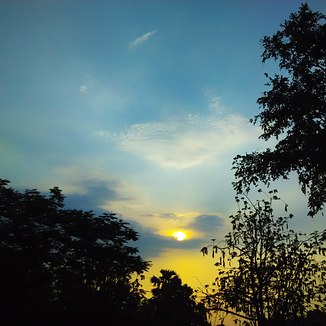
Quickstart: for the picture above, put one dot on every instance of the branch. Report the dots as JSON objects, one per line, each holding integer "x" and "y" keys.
{"x": 232, "y": 313}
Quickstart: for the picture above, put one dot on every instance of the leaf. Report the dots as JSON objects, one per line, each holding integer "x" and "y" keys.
{"x": 204, "y": 251}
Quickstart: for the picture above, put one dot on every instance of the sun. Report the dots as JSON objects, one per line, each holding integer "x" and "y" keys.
{"x": 179, "y": 235}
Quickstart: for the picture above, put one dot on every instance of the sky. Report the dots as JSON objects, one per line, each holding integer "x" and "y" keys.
{"x": 138, "y": 108}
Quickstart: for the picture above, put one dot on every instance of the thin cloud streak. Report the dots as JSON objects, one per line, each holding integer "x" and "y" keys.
{"x": 142, "y": 39}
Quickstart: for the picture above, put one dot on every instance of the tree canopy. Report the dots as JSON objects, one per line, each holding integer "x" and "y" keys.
{"x": 293, "y": 110}
{"x": 268, "y": 273}
{"x": 62, "y": 266}
{"x": 67, "y": 267}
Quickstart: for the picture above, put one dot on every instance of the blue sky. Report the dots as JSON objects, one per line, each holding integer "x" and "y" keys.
{"x": 138, "y": 107}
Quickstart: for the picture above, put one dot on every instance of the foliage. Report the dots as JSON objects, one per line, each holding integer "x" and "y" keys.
{"x": 173, "y": 303}
{"x": 293, "y": 110}
{"x": 267, "y": 273}
{"x": 62, "y": 266}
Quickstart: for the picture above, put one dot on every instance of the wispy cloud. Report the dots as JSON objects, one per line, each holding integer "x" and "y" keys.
{"x": 83, "y": 89}
{"x": 187, "y": 142}
{"x": 142, "y": 39}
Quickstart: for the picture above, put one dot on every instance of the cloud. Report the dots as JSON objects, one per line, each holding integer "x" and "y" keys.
{"x": 187, "y": 142}
{"x": 83, "y": 89}
{"x": 151, "y": 244}
{"x": 207, "y": 224}
{"x": 92, "y": 195}
{"x": 197, "y": 226}
{"x": 142, "y": 39}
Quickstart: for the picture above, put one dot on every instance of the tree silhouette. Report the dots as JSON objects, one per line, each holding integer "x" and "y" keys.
{"x": 267, "y": 273}
{"x": 173, "y": 303}
{"x": 294, "y": 110}
{"x": 62, "y": 266}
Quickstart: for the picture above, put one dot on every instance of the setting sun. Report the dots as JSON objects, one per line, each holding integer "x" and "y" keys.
{"x": 179, "y": 235}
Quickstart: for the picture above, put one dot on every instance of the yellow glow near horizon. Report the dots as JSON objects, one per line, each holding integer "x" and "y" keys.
{"x": 179, "y": 235}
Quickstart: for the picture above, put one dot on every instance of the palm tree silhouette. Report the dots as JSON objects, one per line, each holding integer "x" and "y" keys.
{"x": 173, "y": 303}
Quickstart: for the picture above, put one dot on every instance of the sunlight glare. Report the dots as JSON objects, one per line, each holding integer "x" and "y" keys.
{"x": 179, "y": 235}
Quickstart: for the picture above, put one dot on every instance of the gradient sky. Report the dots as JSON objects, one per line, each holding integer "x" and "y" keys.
{"x": 138, "y": 107}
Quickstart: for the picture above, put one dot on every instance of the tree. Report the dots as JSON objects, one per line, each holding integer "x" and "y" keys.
{"x": 62, "y": 266}
{"x": 267, "y": 273}
{"x": 293, "y": 111}
{"x": 173, "y": 303}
